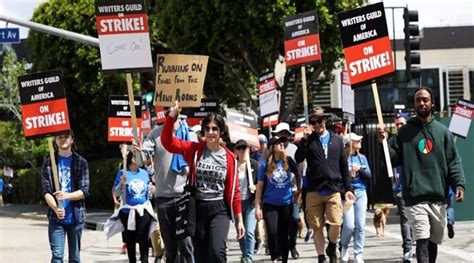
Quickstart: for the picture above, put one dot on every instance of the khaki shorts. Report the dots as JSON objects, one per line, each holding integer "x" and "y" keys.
{"x": 321, "y": 209}
{"x": 428, "y": 221}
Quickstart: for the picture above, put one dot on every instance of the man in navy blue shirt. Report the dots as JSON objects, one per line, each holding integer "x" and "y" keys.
{"x": 66, "y": 211}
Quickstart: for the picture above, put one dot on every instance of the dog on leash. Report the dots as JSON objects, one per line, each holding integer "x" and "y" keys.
{"x": 380, "y": 220}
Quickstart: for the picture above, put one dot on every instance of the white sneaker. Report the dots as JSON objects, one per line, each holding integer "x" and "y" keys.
{"x": 407, "y": 257}
{"x": 358, "y": 259}
{"x": 344, "y": 254}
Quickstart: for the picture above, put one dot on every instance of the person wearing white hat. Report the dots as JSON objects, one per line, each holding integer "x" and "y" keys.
{"x": 282, "y": 130}
{"x": 354, "y": 217}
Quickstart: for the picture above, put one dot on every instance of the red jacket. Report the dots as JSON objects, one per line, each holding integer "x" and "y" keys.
{"x": 190, "y": 150}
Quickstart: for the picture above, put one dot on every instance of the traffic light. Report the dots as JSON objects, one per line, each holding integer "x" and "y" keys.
{"x": 148, "y": 85}
{"x": 412, "y": 42}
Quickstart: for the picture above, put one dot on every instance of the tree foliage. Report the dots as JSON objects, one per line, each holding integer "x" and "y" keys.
{"x": 87, "y": 87}
{"x": 16, "y": 151}
{"x": 244, "y": 39}
{"x": 9, "y": 92}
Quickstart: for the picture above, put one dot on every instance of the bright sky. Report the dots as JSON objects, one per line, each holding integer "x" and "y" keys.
{"x": 431, "y": 13}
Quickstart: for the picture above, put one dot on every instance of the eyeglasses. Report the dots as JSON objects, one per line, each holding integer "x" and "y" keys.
{"x": 241, "y": 147}
{"x": 214, "y": 129}
{"x": 318, "y": 121}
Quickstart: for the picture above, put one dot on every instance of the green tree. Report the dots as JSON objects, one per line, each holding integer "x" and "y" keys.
{"x": 244, "y": 39}
{"x": 15, "y": 150}
{"x": 87, "y": 87}
{"x": 9, "y": 93}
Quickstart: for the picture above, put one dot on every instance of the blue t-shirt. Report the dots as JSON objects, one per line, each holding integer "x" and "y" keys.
{"x": 397, "y": 185}
{"x": 278, "y": 189}
{"x": 136, "y": 187}
{"x": 1, "y": 185}
{"x": 361, "y": 160}
{"x": 65, "y": 182}
{"x": 325, "y": 143}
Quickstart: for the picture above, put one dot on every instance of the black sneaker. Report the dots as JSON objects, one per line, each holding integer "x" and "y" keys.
{"x": 450, "y": 231}
{"x": 309, "y": 235}
{"x": 294, "y": 253}
{"x": 331, "y": 252}
{"x": 322, "y": 259}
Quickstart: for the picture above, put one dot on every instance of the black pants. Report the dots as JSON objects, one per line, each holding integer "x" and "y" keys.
{"x": 140, "y": 236}
{"x": 212, "y": 227}
{"x": 177, "y": 251}
{"x": 404, "y": 225}
{"x": 293, "y": 227}
{"x": 277, "y": 220}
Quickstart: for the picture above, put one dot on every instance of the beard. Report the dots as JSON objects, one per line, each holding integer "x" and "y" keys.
{"x": 423, "y": 113}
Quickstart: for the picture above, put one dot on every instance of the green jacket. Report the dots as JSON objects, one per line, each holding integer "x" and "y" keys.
{"x": 429, "y": 159}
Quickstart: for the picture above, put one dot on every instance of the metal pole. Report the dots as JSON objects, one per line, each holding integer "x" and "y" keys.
{"x": 52, "y": 30}
{"x": 395, "y": 76}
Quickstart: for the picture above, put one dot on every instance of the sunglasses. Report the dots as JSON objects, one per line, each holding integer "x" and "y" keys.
{"x": 283, "y": 140}
{"x": 214, "y": 129}
{"x": 241, "y": 147}
{"x": 318, "y": 121}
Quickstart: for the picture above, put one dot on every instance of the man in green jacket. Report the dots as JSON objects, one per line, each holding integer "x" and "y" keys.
{"x": 426, "y": 151}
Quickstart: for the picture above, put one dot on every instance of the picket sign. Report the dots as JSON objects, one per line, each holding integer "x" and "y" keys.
{"x": 368, "y": 53}
{"x": 302, "y": 46}
{"x": 54, "y": 169}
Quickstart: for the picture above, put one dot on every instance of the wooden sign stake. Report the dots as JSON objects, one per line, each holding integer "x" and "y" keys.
{"x": 382, "y": 125}
{"x": 131, "y": 100}
{"x": 54, "y": 169}
{"x": 305, "y": 93}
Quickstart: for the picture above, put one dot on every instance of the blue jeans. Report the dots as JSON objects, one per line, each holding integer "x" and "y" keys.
{"x": 247, "y": 243}
{"x": 450, "y": 207}
{"x": 354, "y": 223}
{"x": 57, "y": 233}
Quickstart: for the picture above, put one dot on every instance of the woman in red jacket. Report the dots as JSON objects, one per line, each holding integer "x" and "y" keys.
{"x": 213, "y": 168}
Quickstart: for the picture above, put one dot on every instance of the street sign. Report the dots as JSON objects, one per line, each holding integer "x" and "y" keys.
{"x": 9, "y": 35}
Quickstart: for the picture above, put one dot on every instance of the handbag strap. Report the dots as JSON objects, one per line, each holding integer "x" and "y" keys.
{"x": 192, "y": 179}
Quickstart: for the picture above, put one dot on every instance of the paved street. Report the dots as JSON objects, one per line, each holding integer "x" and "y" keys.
{"x": 25, "y": 240}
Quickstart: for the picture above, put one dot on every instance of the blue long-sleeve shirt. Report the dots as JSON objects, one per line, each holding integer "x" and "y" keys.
{"x": 363, "y": 175}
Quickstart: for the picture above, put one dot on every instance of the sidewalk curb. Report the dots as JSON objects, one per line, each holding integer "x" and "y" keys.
{"x": 32, "y": 216}
{"x": 41, "y": 216}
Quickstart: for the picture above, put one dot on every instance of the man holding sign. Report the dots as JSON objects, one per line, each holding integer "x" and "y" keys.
{"x": 430, "y": 163}
{"x": 66, "y": 215}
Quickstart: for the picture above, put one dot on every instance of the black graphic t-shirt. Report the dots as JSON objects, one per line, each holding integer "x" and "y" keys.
{"x": 211, "y": 172}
